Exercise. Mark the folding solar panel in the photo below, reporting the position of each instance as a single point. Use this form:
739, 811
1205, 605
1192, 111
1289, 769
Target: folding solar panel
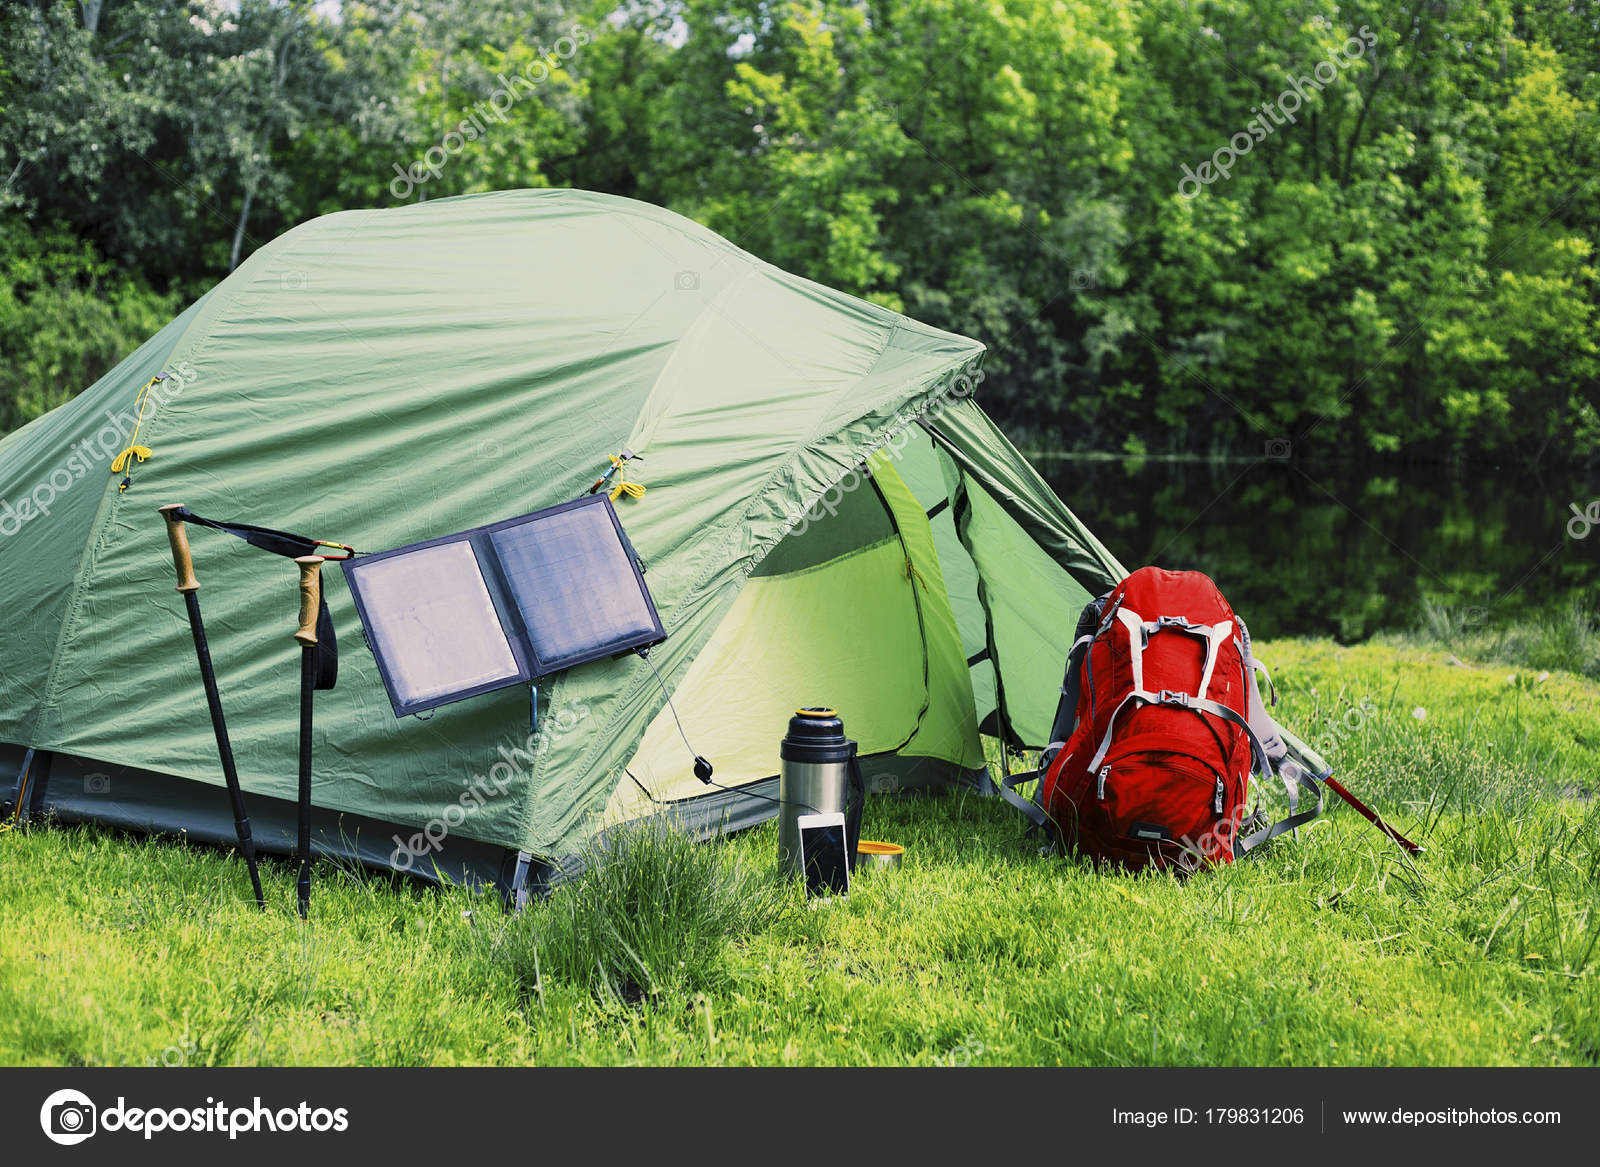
502, 605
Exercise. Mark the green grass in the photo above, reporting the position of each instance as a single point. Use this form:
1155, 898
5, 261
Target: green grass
1566, 638
1329, 949
650, 917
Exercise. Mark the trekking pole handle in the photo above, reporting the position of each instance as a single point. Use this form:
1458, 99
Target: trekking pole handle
182, 560
310, 598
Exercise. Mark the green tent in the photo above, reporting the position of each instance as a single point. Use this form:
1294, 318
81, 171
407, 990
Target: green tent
829, 518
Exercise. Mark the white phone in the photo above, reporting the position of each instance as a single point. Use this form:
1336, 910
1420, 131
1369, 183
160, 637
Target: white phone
823, 854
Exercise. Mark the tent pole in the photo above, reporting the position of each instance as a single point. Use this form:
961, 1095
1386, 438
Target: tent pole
518, 893
13, 805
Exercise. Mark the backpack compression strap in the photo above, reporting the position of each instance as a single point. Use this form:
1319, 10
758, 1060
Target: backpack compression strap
1034, 813
1038, 818
1295, 774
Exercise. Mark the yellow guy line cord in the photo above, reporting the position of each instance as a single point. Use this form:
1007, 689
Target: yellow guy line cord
623, 487
121, 465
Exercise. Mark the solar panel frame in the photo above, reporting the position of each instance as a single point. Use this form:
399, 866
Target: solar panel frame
502, 591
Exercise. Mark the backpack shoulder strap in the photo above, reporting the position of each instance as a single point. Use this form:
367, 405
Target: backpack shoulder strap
1214, 635
1071, 683
1066, 718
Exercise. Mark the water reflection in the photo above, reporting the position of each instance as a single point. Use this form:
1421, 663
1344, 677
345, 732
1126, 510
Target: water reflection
1346, 551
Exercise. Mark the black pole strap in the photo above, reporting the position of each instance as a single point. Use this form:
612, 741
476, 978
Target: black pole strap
291, 546
285, 543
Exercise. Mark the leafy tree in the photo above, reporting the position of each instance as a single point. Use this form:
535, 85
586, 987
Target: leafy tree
1392, 249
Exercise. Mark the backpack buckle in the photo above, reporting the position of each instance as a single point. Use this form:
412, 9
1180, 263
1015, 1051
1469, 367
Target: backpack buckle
1176, 697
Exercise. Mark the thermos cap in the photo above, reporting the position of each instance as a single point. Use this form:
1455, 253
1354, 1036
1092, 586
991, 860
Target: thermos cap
816, 735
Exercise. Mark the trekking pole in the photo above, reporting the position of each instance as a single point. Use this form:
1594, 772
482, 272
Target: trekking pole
1371, 816
310, 604
183, 561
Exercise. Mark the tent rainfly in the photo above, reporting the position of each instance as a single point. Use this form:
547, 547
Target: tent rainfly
829, 519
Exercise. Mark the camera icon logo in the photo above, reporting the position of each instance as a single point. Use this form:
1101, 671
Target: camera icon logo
292, 281
68, 1117
1279, 449
686, 281
97, 783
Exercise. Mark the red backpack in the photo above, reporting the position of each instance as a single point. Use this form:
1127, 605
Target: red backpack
1162, 726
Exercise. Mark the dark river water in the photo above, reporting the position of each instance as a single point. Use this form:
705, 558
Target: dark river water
1346, 551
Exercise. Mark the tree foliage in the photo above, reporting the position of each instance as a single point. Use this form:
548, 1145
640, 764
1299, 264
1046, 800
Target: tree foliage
1400, 258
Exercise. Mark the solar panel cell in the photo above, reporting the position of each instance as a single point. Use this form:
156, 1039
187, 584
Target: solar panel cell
574, 584
432, 622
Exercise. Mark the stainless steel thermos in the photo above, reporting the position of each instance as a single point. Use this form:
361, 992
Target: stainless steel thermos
818, 772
